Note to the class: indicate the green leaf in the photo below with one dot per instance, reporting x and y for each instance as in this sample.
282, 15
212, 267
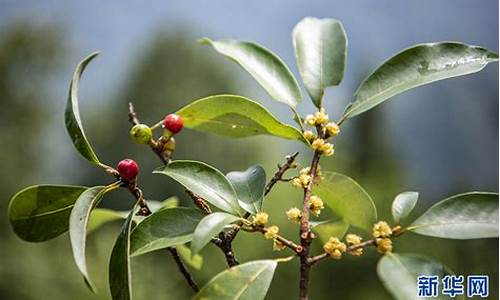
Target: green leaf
205, 181
416, 66
403, 204
120, 284
78, 227
249, 186
347, 199
195, 261
235, 117
248, 281
41, 212
72, 115
209, 227
165, 228
399, 273
328, 229
320, 50
265, 67
465, 216
102, 216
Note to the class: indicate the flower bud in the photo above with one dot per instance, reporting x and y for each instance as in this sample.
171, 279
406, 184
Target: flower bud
384, 245
271, 232
260, 219
334, 247
381, 230
294, 214
332, 129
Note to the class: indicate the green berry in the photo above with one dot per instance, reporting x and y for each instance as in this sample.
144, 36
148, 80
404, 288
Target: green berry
141, 134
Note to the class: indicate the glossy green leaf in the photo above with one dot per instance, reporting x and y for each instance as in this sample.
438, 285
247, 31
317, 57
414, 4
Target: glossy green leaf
416, 66
235, 117
208, 228
165, 228
399, 273
321, 51
266, 67
249, 186
248, 281
41, 212
325, 230
205, 181
347, 199
102, 216
403, 204
465, 216
195, 261
120, 284
72, 114
78, 227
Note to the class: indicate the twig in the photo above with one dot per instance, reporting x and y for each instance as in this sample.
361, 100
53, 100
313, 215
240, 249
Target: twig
317, 258
157, 149
183, 269
296, 248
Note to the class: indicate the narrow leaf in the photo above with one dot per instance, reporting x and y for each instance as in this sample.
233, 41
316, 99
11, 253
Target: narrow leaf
249, 186
235, 117
320, 50
403, 204
72, 114
165, 228
120, 284
264, 66
248, 281
205, 181
195, 261
41, 212
209, 227
347, 199
78, 227
465, 216
416, 66
325, 230
399, 273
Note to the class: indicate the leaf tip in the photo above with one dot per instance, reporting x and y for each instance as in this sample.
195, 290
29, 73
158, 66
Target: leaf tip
205, 41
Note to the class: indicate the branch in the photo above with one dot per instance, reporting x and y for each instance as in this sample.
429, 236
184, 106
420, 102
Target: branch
183, 269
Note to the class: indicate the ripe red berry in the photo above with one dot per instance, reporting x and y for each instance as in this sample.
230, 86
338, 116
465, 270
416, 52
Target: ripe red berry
173, 123
128, 169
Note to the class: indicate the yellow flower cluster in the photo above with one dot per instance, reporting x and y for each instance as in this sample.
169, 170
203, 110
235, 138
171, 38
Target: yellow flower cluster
353, 239
271, 232
381, 230
309, 135
302, 181
315, 205
294, 214
260, 219
334, 247
384, 245
320, 118
321, 146
332, 129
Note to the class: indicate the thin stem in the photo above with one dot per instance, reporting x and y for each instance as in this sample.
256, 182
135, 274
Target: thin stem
183, 269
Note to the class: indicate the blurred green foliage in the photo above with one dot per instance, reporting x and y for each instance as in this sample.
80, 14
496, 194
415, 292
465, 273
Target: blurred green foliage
171, 71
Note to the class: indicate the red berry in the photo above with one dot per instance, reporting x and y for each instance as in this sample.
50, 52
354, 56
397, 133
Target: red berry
173, 123
128, 169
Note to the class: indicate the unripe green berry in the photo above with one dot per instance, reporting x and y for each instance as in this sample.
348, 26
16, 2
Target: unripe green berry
141, 134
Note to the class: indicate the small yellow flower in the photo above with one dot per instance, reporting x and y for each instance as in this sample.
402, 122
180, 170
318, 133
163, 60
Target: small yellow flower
353, 239
278, 246
317, 144
315, 205
334, 247
321, 117
381, 230
310, 120
293, 214
302, 181
332, 129
309, 135
260, 219
384, 245
327, 149
271, 232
